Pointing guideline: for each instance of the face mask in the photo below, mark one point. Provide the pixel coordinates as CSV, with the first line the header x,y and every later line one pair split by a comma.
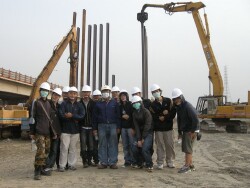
x,y
137,106
157,95
44,93
105,95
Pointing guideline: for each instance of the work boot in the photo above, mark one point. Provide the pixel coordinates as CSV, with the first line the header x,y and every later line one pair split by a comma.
x,y
84,156
37,173
85,163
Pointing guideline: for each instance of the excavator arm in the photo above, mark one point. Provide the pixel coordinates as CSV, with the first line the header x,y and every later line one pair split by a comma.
x,y
214,72
70,38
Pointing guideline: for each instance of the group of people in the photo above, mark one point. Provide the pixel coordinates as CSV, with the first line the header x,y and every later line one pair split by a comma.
x,y
100,118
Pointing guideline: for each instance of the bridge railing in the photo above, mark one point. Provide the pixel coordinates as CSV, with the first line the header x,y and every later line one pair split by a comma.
x,y
15,76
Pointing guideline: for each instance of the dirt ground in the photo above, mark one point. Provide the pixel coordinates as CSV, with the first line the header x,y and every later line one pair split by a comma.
x,y
221,160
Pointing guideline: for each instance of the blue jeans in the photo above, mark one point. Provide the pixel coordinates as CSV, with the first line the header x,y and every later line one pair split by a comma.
x,y
144,153
108,144
86,144
51,159
127,142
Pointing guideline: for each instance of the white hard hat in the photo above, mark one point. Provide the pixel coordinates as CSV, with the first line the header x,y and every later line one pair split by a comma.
x,y
154,87
105,87
65,89
176,93
97,92
45,86
123,91
73,89
115,88
135,90
86,88
57,91
136,99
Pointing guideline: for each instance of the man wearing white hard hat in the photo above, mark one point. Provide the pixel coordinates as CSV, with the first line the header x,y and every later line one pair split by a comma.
x,y
65,91
97,95
143,139
115,91
188,125
56,124
163,113
86,131
71,112
40,130
106,119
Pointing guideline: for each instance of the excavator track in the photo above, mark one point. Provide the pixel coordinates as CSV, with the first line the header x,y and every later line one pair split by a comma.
x,y
231,126
236,126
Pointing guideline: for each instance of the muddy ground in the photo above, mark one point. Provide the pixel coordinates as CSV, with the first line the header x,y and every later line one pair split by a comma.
x,y
221,160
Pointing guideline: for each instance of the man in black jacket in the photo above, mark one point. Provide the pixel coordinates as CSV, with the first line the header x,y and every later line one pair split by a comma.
x,y
163,113
86,131
188,125
143,140
54,153
126,111
71,112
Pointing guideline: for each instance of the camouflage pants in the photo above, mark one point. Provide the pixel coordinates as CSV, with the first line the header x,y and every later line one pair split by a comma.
x,y
43,147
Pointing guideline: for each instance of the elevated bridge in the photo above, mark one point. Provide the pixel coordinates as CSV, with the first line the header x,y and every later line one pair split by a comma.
x,y
15,87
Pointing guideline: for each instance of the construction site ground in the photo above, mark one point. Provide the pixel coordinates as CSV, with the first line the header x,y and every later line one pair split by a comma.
x,y
221,160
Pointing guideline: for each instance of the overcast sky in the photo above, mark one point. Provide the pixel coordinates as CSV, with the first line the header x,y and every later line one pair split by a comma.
x,y
29,30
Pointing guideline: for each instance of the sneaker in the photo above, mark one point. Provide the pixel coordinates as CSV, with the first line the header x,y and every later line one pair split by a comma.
x,y
159,166
46,172
170,165
101,166
150,169
126,165
72,168
192,168
113,166
61,169
136,166
184,169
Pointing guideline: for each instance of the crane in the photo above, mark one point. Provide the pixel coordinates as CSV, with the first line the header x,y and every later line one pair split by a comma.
x,y
214,110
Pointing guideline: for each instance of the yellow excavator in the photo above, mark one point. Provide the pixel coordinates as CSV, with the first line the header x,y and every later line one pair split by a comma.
x,y
214,110
71,39
16,117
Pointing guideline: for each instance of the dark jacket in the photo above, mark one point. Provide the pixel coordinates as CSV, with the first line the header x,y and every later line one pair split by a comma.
x,y
146,103
106,113
187,118
126,109
54,115
142,121
87,121
41,125
157,109
70,125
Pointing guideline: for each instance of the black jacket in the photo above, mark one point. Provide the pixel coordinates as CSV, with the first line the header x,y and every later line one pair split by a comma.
x,y
187,118
157,109
54,115
41,125
87,121
126,109
71,125
142,121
